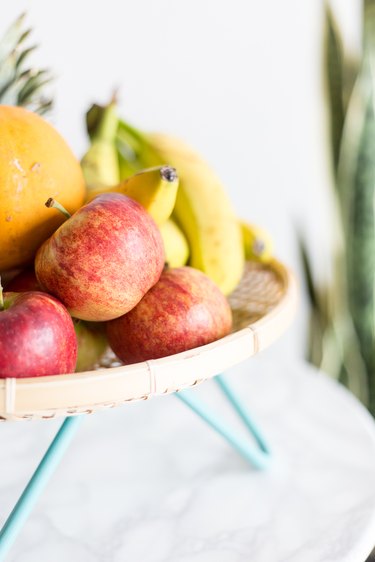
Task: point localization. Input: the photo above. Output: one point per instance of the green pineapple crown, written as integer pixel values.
(21, 83)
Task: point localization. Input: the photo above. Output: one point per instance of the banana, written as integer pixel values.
(100, 164)
(175, 244)
(204, 213)
(154, 188)
(258, 244)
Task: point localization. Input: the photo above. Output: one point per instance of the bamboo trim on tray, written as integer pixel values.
(64, 395)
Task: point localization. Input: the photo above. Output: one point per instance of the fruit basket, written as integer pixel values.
(262, 305)
(130, 215)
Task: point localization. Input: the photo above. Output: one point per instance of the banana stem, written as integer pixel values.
(138, 143)
(132, 132)
(52, 204)
(108, 124)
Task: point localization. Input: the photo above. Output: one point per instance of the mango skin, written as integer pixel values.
(35, 164)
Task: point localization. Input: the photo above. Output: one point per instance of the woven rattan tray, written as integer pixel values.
(263, 306)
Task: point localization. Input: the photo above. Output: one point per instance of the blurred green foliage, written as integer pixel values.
(342, 327)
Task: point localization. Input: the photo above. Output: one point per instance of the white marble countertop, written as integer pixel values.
(150, 482)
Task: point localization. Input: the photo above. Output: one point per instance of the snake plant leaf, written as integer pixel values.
(331, 361)
(341, 354)
(350, 73)
(357, 188)
(307, 271)
(342, 317)
(318, 319)
(333, 56)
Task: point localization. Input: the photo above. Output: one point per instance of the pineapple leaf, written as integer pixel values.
(10, 92)
(44, 106)
(21, 84)
(7, 73)
(21, 58)
(24, 36)
(11, 38)
(33, 85)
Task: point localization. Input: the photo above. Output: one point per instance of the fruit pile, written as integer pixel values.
(137, 246)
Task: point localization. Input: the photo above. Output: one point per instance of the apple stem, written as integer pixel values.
(52, 204)
(1, 296)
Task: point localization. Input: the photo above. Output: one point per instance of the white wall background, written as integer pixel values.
(239, 80)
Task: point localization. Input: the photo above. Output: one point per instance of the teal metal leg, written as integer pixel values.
(259, 457)
(36, 484)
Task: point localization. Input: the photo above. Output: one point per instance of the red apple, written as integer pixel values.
(25, 280)
(37, 336)
(185, 309)
(103, 259)
(91, 338)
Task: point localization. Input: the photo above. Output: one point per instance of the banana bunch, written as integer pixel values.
(205, 214)
(195, 215)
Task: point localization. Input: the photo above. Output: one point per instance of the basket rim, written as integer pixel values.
(86, 392)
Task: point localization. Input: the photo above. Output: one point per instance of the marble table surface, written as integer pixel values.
(151, 482)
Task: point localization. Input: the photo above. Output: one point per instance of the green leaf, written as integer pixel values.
(12, 37)
(9, 94)
(23, 55)
(333, 57)
(356, 179)
(20, 85)
(33, 85)
(42, 106)
(307, 270)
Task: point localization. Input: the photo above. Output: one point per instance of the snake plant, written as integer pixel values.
(342, 329)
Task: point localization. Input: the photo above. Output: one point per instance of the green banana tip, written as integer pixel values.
(168, 173)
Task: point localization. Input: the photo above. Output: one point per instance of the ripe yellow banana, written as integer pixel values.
(258, 244)
(205, 214)
(175, 244)
(100, 164)
(154, 188)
